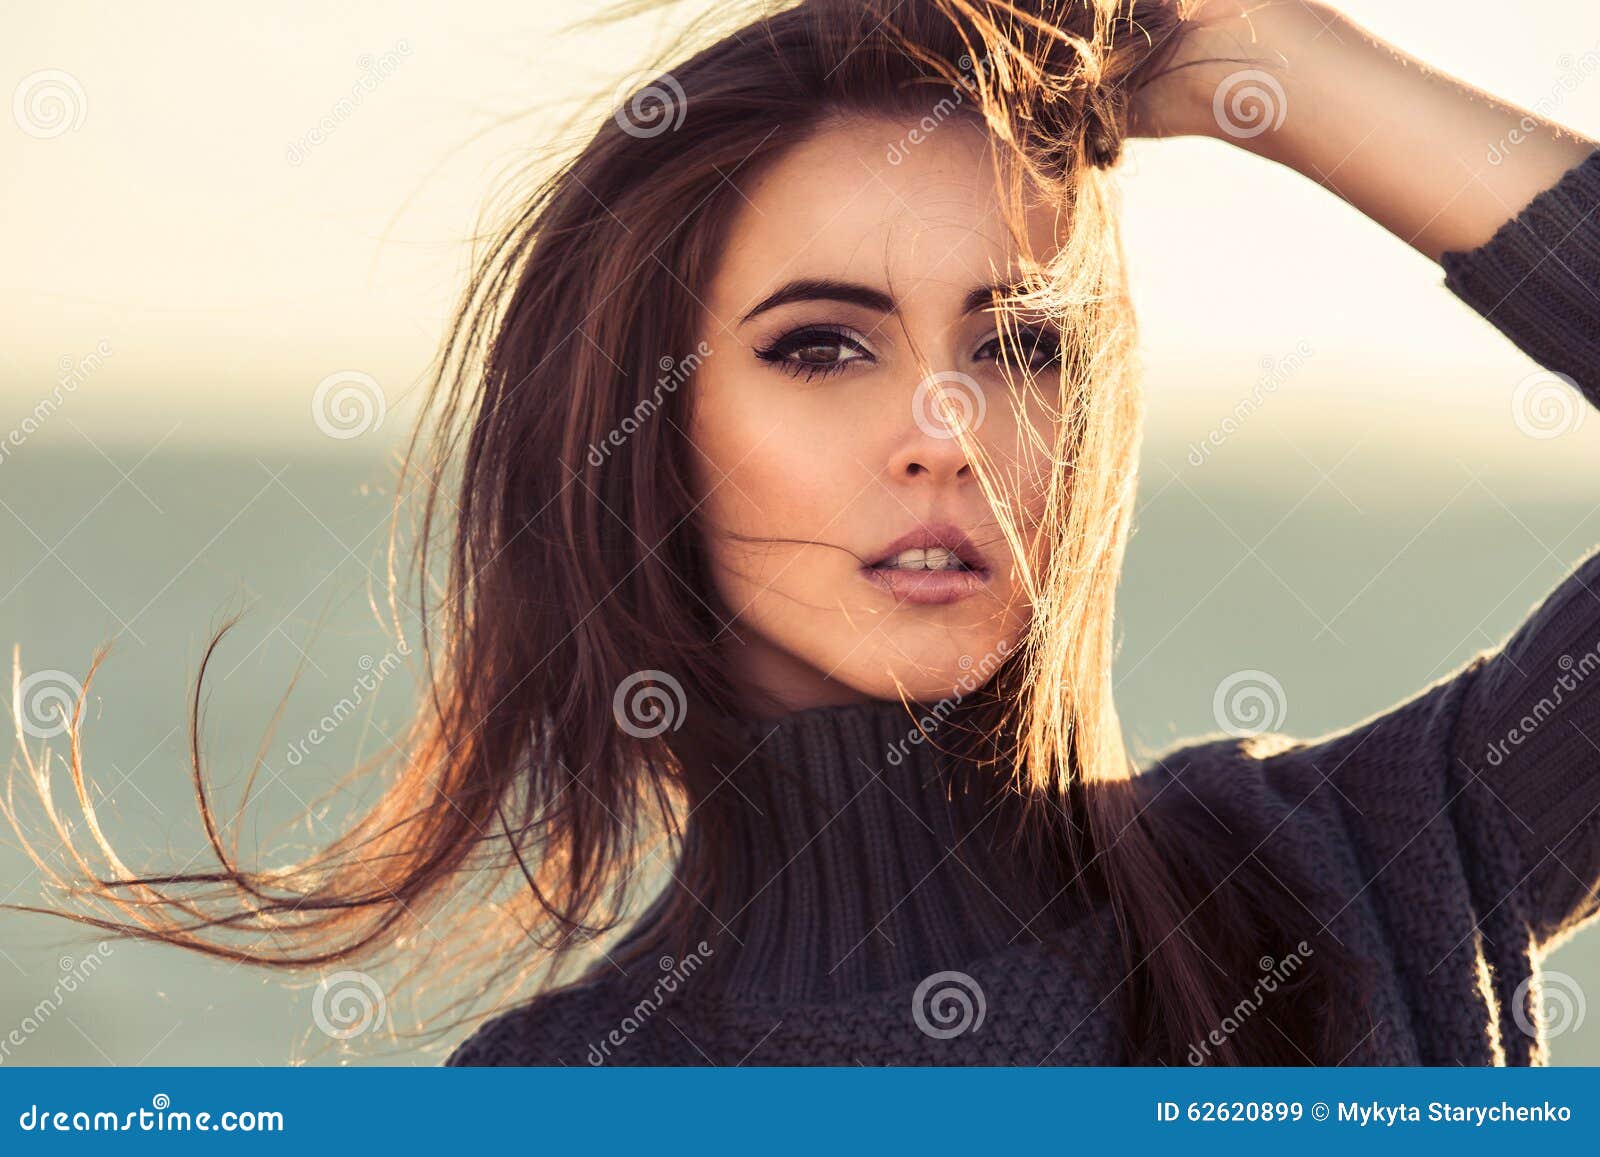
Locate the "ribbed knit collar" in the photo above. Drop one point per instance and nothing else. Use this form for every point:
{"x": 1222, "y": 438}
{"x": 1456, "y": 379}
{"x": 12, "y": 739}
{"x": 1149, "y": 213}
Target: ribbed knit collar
{"x": 874, "y": 858}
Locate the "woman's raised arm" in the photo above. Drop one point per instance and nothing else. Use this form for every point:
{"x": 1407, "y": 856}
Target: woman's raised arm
{"x": 1434, "y": 160}
{"x": 1508, "y": 748}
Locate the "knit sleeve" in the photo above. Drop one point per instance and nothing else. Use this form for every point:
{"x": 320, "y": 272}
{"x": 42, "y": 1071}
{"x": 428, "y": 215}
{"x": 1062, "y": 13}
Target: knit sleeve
{"x": 1529, "y": 727}
{"x": 1528, "y": 737}
{"x": 1537, "y": 280}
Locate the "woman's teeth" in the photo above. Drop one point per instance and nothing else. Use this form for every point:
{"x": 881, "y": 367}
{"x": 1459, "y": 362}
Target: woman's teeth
{"x": 934, "y": 558}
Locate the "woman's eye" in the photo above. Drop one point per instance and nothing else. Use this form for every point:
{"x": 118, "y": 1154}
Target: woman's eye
{"x": 1036, "y": 349}
{"x": 813, "y": 353}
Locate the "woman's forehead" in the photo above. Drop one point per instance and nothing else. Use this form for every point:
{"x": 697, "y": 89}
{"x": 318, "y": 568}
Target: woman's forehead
{"x": 854, "y": 202}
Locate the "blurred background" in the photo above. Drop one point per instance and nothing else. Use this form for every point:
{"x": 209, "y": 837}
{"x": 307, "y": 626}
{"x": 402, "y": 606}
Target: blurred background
{"x": 233, "y": 238}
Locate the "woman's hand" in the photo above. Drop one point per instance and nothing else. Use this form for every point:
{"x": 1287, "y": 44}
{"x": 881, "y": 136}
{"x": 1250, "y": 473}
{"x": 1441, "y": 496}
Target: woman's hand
{"x": 1437, "y": 162}
{"x": 1217, "y": 38}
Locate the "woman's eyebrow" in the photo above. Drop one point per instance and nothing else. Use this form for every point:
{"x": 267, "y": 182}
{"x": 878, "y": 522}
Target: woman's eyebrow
{"x": 854, "y": 293}
{"x": 823, "y": 289}
{"x": 986, "y": 296}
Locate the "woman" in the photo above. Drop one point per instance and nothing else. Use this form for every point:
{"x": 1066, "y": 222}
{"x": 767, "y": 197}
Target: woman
{"x": 796, "y": 424}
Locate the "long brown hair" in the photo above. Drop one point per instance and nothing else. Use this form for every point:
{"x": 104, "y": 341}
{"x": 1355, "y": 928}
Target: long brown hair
{"x": 574, "y": 561}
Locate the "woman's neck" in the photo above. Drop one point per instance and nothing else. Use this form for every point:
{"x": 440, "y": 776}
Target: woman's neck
{"x": 859, "y": 852}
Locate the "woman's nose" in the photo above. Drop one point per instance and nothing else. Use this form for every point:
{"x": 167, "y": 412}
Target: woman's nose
{"x": 944, "y": 407}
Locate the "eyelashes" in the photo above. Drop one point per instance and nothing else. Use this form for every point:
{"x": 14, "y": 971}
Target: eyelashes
{"x": 797, "y": 352}
{"x": 812, "y": 351}
{"x": 1037, "y": 347}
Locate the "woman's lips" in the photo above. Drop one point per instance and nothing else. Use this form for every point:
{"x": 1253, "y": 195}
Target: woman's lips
{"x": 926, "y": 587}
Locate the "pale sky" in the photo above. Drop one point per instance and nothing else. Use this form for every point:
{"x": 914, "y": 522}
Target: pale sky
{"x": 230, "y": 263}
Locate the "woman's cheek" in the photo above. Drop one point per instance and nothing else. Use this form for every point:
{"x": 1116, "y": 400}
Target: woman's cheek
{"x": 765, "y": 482}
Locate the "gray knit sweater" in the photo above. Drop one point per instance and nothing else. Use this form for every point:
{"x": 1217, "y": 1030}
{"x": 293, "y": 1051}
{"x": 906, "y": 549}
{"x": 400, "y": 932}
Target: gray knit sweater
{"x": 1458, "y": 835}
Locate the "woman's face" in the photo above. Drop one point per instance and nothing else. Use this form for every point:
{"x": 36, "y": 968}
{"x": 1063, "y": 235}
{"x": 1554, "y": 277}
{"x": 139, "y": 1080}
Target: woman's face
{"x": 852, "y": 334}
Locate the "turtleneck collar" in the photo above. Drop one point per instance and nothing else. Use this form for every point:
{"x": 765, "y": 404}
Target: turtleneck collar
{"x": 871, "y": 857}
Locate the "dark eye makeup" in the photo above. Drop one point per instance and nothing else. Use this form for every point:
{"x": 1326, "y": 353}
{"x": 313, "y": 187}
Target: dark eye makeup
{"x": 815, "y": 351}
{"x": 1038, "y": 347}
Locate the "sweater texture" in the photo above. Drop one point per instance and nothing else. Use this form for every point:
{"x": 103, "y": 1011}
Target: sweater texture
{"x": 877, "y": 922}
